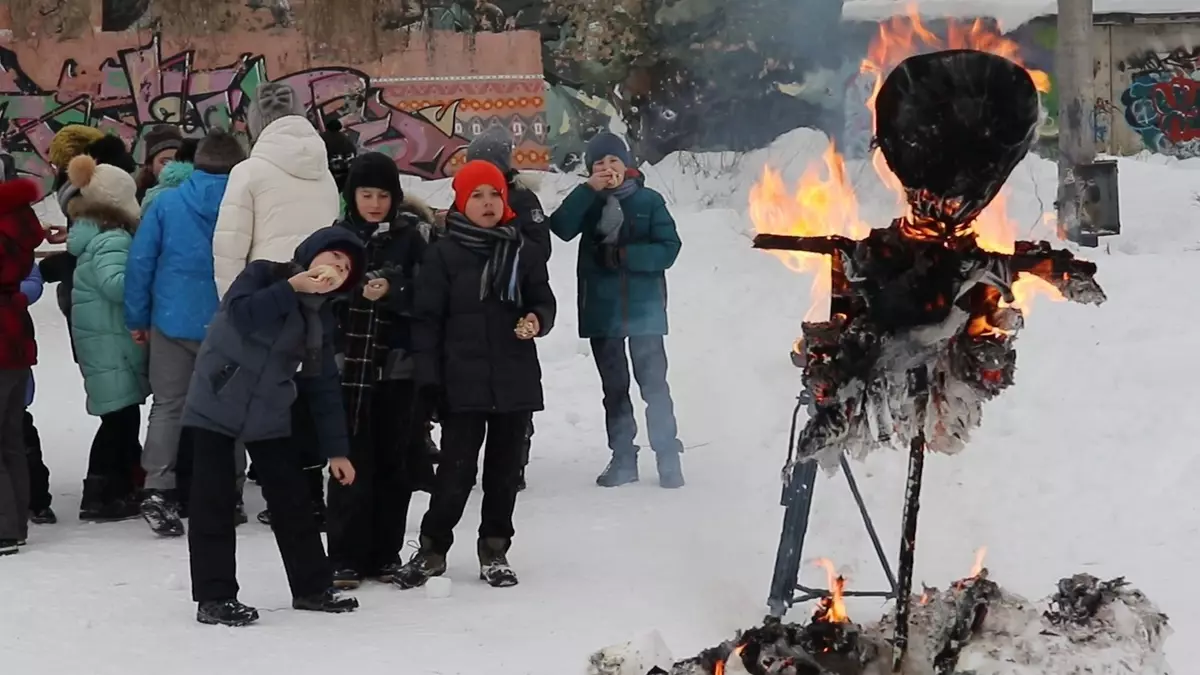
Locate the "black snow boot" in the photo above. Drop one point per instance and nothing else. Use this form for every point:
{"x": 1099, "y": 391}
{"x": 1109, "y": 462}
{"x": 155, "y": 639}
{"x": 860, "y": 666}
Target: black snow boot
{"x": 9, "y": 547}
{"x": 161, "y": 512}
{"x": 424, "y": 565}
{"x": 670, "y": 470}
{"x": 622, "y": 469}
{"x": 99, "y": 504}
{"x": 226, "y": 613}
{"x": 329, "y": 601}
{"x": 493, "y": 562}
{"x": 45, "y": 516}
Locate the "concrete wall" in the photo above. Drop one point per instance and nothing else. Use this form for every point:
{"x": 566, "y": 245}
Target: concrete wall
{"x": 415, "y": 93}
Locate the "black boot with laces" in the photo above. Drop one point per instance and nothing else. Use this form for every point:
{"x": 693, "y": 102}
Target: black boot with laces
{"x": 226, "y": 613}
{"x": 329, "y": 601}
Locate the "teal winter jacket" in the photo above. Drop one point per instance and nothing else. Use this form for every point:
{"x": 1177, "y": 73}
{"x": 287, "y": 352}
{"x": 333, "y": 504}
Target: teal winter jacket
{"x": 630, "y": 299}
{"x": 114, "y": 366}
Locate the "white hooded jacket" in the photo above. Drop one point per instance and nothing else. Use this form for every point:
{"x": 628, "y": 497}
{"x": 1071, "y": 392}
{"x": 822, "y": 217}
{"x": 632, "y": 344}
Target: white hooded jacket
{"x": 274, "y": 200}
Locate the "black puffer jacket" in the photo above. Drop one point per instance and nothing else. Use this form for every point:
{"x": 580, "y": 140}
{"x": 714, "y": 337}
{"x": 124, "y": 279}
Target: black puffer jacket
{"x": 466, "y": 346}
{"x": 532, "y": 221}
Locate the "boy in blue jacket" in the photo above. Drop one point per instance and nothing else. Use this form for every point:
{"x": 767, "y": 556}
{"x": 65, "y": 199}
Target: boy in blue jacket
{"x": 170, "y": 298}
{"x": 40, "y": 512}
{"x": 269, "y": 351}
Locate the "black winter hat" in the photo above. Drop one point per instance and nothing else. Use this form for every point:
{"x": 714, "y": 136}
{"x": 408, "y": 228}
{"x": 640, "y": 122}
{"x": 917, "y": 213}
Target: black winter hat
{"x": 373, "y": 170}
{"x": 218, "y": 153}
{"x": 187, "y": 150}
{"x": 111, "y": 150}
{"x": 495, "y": 145}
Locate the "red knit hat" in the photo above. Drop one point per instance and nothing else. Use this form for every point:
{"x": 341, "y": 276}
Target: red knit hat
{"x": 472, "y": 175}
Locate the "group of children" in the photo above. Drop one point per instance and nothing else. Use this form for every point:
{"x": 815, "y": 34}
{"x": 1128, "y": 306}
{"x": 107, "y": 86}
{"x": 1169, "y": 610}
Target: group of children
{"x": 261, "y": 328}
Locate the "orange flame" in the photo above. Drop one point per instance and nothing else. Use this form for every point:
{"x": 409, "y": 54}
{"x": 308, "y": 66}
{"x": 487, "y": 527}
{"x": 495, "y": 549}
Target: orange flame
{"x": 823, "y": 204}
{"x": 719, "y": 669}
{"x": 977, "y": 568}
{"x": 832, "y": 608}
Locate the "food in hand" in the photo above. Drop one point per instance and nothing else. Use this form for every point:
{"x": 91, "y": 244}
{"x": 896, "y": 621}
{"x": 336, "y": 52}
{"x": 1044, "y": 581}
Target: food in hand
{"x": 324, "y": 273}
{"x": 525, "y": 329}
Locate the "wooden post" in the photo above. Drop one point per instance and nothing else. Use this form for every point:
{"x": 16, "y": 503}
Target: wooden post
{"x": 1074, "y": 75}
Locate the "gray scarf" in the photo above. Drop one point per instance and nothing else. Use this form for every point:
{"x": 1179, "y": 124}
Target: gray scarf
{"x": 314, "y": 333}
{"x": 612, "y": 217}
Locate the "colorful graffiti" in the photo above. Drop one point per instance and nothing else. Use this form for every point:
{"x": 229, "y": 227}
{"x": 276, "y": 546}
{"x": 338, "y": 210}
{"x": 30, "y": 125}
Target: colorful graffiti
{"x": 139, "y": 88}
{"x": 1162, "y": 102}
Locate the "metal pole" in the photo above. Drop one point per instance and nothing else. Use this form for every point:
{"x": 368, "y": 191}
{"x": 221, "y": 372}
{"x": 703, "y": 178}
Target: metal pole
{"x": 1075, "y": 72}
{"x": 918, "y": 386}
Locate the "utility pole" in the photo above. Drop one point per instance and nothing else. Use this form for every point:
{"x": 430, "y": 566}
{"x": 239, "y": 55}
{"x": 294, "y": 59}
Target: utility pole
{"x": 1075, "y": 73}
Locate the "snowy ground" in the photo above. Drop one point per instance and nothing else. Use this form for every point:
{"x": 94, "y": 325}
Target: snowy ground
{"x": 1087, "y": 465}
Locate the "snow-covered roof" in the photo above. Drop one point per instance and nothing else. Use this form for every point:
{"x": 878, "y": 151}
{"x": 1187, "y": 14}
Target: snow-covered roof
{"x": 1010, "y": 13}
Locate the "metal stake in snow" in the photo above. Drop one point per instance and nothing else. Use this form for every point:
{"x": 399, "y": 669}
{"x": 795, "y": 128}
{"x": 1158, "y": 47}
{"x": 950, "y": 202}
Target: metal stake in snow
{"x": 922, "y": 323}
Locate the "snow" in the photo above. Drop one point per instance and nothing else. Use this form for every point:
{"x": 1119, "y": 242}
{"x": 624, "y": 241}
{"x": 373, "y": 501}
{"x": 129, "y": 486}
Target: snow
{"x": 1087, "y": 464}
{"x": 1010, "y": 13}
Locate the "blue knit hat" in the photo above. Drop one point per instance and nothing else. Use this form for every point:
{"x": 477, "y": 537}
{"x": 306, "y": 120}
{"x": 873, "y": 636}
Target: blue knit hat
{"x": 604, "y": 144}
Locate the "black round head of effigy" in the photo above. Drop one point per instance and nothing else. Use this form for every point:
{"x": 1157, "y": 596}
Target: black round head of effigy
{"x": 952, "y": 126}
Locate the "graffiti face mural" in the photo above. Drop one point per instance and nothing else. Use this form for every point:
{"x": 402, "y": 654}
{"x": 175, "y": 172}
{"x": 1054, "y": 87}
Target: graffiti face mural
{"x": 140, "y": 88}
{"x": 1162, "y": 102}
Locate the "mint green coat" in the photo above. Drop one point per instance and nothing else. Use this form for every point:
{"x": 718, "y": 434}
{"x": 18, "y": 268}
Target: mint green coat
{"x": 114, "y": 366}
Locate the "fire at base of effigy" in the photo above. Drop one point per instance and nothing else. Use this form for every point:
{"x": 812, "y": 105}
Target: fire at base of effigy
{"x": 973, "y": 627}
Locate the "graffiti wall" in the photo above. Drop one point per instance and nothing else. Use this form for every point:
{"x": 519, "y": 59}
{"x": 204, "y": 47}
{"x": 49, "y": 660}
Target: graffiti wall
{"x": 1161, "y": 100}
{"x": 419, "y": 110}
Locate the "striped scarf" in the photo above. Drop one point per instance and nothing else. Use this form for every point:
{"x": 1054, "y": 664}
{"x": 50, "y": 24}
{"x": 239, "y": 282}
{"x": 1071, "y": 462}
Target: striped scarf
{"x": 502, "y": 245}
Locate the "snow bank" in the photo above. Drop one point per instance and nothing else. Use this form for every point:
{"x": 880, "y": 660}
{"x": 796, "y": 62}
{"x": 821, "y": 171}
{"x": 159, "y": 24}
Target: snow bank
{"x": 1010, "y": 13}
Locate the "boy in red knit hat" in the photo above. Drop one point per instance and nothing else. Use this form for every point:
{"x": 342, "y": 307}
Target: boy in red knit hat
{"x": 479, "y": 303}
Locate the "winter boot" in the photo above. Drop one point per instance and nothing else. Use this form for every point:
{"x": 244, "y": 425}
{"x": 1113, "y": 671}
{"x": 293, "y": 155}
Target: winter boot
{"x": 346, "y": 579}
{"x": 264, "y": 517}
{"x": 622, "y": 469}
{"x": 329, "y": 601}
{"x": 424, "y": 565}
{"x": 161, "y": 513}
{"x": 99, "y": 505}
{"x": 493, "y": 562}
{"x": 9, "y": 547}
{"x": 45, "y": 516}
{"x": 670, "y": 471}
{"x": 226, "y": 613}
{"x": 389, "y": 571}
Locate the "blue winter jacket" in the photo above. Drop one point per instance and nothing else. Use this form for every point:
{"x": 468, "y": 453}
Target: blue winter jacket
{"x": 31, "y": 288}
{"x": 169, "y": 281}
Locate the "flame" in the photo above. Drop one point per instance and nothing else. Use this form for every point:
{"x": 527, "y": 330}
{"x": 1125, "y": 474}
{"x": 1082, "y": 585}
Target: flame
{"x": 719, "y": 669}
{"x": 977, "y": 568}
{"x": 1030, "y": 286}
{"x": 823, "y": 204}
{"x": 832, "y": 609}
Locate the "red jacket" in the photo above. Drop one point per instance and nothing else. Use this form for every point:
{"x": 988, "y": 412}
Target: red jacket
{"x": 20, "y": 234}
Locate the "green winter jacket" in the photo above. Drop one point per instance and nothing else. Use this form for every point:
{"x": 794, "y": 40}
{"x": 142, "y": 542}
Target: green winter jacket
{"x": 114, "y": 367}
{"x": 630, "y": 300}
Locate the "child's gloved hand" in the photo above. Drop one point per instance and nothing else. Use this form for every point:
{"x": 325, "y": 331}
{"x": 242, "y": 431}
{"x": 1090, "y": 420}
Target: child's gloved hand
{"x": 342, "y": 470}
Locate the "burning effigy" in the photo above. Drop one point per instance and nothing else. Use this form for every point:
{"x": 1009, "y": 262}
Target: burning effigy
{"x": 922, "y": 321}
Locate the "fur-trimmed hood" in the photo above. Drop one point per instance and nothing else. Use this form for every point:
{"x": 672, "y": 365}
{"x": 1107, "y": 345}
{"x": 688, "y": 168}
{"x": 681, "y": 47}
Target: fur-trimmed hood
{"x": 105, "y": 216}
{"x": 525, "y": 181}
{"x": 416, "y": 206}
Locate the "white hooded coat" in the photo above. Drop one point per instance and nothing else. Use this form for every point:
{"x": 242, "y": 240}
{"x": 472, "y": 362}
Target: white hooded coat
{"x": 274, "y": 200}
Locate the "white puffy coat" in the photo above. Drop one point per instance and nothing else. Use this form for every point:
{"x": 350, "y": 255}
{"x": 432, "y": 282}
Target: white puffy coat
{"x": 281, "y": 194}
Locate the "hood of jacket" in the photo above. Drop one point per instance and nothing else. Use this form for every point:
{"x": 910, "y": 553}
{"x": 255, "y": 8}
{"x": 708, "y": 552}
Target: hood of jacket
{"x": 17, "y": 194}
{"x": 525, "y": 181}
{"x": 201, "y": 193}
{"x": 334, "y": 238}
{"x": 293, "y": 145}
{"x": 175, "y": 173}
